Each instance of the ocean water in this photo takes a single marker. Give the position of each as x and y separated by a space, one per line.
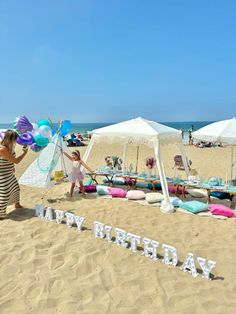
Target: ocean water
84 127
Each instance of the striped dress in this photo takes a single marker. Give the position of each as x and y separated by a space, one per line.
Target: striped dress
9 187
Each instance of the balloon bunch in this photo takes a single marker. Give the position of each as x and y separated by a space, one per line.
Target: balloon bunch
36 136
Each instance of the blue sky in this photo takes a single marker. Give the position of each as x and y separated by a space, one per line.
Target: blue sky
111 60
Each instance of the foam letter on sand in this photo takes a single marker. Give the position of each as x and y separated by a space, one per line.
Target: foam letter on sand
98 229
134 240
59 216
206 269
39 210
79 221
108 233
102 231
48 214
70 218
189 265
173 260
121 236
150 248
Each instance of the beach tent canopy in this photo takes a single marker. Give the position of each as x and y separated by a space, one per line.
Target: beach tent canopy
39 173
141 132
223 132
137 131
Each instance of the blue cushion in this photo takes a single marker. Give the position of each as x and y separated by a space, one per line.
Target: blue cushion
102 190
119 181
220 195
142 184
157 186
195 207
176 202
88 181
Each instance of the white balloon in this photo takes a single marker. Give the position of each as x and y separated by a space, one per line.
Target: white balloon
35 126
45 131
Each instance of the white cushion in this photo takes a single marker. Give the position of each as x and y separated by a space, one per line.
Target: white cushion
197 193
135 195
154 197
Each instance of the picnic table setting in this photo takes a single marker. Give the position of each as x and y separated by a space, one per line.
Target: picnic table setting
145 188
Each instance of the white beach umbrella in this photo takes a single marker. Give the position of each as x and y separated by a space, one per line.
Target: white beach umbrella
222 131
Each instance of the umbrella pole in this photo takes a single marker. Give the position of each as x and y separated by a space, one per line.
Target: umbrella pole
232 163
137 157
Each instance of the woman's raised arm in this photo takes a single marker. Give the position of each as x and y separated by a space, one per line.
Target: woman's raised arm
8 156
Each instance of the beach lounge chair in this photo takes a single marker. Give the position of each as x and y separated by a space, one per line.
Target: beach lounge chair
179 163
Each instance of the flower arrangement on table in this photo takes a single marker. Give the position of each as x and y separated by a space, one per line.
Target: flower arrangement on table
113 162
150 164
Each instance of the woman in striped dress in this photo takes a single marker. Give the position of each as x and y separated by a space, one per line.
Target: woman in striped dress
9 187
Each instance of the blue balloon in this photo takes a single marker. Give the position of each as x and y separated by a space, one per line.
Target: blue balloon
54 130
65 128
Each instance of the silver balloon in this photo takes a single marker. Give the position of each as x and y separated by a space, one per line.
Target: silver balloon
134 241
189 265
167 250
150 248
206 269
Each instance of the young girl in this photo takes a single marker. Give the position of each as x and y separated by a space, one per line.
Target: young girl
77 174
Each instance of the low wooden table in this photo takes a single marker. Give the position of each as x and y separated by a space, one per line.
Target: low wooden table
230 190
130 180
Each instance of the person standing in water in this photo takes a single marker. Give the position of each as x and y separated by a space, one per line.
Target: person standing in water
190 136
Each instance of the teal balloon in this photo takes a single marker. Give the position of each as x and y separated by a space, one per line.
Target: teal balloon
41 141
44 122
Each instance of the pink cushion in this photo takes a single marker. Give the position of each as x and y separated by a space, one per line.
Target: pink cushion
172 189
135 195
89 188
117 192
219 209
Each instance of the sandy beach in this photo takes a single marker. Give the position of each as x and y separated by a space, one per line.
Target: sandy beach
49 268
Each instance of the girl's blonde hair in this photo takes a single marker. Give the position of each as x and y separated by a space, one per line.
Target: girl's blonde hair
10 137
77 153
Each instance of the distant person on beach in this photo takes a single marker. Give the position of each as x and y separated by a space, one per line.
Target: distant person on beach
77 175
182 133
9 187
190 136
